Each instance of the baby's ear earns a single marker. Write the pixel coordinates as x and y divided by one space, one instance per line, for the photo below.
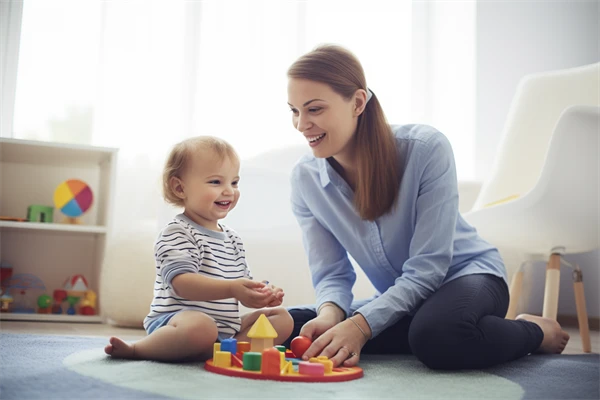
176 186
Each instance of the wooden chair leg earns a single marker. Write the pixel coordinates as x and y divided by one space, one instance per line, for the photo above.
582 316
552 285
516 286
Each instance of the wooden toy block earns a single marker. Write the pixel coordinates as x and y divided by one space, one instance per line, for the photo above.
223 359
313 369
289 354
281 358
281 348
243 347
216 347
327 363
288 368
236 362
229 345
261 334
271 361
252 361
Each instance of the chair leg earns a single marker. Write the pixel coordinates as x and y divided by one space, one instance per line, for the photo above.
516 286
552 285
582 316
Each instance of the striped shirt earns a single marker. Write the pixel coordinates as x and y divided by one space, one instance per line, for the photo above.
186 247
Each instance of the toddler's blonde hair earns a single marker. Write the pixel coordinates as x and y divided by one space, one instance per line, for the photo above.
181 154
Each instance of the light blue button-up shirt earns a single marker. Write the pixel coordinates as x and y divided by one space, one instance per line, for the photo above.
408 253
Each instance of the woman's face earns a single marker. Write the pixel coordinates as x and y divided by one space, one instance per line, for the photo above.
326 119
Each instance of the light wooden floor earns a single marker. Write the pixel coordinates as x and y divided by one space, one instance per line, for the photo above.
103 330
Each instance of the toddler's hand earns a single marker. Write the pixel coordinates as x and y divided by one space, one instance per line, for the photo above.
277 293
251 293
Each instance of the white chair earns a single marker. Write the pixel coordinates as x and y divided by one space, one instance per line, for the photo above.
516 186
559 215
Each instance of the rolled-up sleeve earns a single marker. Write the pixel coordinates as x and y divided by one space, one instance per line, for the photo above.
333 275
431 246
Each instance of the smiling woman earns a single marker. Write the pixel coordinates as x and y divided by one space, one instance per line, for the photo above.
342 115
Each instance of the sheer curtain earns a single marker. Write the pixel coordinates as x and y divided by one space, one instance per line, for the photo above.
160 71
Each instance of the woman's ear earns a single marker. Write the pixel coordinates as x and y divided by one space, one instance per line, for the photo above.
176 186
360 102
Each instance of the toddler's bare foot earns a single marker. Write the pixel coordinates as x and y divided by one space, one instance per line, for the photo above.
555 339
119 349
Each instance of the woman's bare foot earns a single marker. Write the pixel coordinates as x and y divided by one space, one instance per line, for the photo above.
119 349
555 339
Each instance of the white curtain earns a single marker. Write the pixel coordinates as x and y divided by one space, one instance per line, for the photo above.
166 70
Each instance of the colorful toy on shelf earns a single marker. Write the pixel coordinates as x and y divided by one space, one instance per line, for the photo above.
59 295
73 198
44 303
6 272
88 304
6 302
37 213
75 286
260 360
21 283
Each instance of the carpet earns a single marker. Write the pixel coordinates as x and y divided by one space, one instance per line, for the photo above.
53 367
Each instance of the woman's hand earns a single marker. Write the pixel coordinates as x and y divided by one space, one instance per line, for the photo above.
251 294
341 343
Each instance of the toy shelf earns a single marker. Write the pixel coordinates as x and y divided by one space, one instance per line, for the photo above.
52 227
51 317
30 172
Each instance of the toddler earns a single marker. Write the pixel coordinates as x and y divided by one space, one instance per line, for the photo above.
201 270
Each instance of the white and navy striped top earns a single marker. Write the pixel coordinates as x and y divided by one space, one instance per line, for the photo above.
186 247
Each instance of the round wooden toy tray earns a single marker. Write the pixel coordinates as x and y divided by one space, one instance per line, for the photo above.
339 374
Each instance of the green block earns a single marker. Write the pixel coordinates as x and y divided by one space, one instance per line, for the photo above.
252 361
280 348
37 213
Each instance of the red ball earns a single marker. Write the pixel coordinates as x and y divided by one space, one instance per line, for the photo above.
299 345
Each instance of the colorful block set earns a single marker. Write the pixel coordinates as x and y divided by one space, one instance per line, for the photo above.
259 359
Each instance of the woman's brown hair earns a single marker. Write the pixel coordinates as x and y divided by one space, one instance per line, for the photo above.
378 179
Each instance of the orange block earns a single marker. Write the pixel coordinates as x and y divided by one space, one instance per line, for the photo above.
271 361
243 347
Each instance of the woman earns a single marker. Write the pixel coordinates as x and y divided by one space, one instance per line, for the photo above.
387 196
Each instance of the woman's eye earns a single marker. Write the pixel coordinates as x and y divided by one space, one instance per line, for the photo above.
294 111
316 109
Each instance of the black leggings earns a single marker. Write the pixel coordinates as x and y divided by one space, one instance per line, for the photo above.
460 326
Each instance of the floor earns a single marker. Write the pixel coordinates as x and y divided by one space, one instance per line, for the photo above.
104 330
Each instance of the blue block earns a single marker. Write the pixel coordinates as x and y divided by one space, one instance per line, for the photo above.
229 345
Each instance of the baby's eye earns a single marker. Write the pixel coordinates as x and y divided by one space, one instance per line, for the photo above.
215 182
235 183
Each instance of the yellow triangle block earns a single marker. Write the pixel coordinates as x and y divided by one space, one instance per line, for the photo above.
262 329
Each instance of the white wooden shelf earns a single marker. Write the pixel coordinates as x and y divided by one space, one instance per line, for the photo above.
93 319
52 227
52 154
30 172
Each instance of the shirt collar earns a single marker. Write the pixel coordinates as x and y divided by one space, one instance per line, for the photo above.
323 173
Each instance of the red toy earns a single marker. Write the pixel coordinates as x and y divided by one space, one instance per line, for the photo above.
299 345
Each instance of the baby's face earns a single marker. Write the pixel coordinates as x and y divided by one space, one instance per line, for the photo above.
211 189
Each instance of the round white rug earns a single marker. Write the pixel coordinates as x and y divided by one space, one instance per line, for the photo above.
385 377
